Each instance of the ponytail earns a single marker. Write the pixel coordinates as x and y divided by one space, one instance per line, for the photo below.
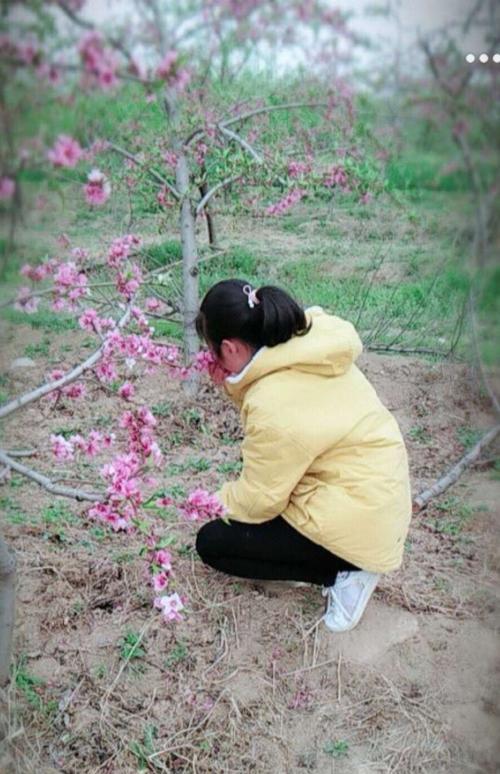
266 316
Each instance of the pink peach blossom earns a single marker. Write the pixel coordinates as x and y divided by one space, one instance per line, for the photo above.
98 188
7 188
66 152
171 606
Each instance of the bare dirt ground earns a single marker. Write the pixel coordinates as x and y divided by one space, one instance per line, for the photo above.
249 682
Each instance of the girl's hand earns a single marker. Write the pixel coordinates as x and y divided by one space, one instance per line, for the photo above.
217 373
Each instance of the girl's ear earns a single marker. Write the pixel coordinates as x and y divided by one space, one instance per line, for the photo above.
227 347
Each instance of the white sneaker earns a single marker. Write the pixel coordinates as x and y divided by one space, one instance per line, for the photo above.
347 598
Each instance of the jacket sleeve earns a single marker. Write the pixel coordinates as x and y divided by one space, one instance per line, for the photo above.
273 464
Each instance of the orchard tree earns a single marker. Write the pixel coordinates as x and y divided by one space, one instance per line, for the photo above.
187 57
190 57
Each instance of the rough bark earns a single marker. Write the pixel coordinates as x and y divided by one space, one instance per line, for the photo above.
189 268
7 609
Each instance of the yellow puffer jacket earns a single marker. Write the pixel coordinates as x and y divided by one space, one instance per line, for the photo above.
320 448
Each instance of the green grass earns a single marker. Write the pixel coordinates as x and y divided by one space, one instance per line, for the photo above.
12 511
144 749
132 651
337 749
178 654
43 319
454 516
42 348
468 436
156 256
192 465
57 517
419 434
33 689
229 467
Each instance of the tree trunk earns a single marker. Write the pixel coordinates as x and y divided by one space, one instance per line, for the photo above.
189 269
7 605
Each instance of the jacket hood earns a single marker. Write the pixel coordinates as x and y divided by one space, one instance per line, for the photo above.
329 349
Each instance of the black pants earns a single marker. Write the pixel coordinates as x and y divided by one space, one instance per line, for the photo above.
270 551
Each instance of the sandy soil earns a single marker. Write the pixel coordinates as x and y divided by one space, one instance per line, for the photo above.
249 682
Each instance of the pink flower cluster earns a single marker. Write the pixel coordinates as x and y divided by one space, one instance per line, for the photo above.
154 305
90 321
170 158
168 70
204 360
336 176
66 152
129 281
159 561
141 440
95 443
124 494
97 189
74 390
120 249
200 153
7 188
171 606
299 168
26 301
70 284
200 505
99 63
49 72
288 201
40 272
133 347
124 473
164 198
126 391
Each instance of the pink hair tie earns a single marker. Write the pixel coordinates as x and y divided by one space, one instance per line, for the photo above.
252 296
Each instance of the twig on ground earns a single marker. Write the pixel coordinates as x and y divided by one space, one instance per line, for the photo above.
339 678
50 486
452 475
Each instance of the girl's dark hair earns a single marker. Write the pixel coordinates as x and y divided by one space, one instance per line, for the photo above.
225 313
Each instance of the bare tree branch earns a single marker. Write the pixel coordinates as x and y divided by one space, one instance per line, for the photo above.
244 144
271 108
152 172
255 112
22 453
452 475
203 202
46 483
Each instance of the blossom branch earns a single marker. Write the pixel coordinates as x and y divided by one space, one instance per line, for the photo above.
44 389
46 483
76 68
113 42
